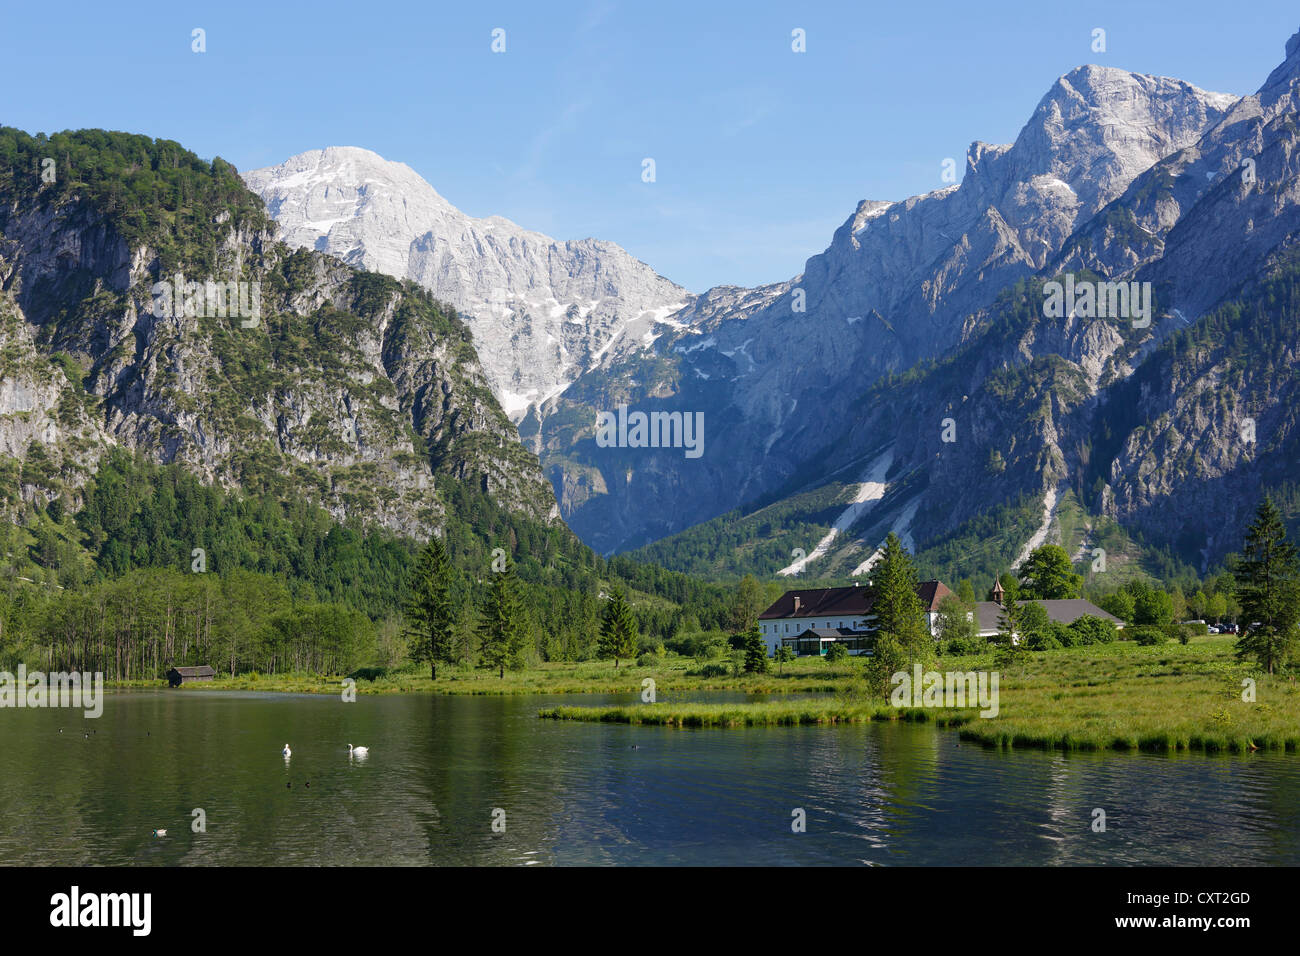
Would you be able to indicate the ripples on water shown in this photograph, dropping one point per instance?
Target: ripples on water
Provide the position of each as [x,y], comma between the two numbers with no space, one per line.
[596,794]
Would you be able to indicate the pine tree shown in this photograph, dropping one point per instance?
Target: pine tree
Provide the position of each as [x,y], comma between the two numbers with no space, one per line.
[898,610]
[430,613]
[1268,589]
[1011,639]
[755,652]
[501,625]
[618,631]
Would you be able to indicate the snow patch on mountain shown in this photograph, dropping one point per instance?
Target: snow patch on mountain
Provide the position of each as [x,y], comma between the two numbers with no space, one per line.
[542,310]
[1039,537]
[902,527]
[871,490]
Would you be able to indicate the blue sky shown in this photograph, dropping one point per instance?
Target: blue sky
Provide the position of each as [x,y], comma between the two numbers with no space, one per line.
[760,152]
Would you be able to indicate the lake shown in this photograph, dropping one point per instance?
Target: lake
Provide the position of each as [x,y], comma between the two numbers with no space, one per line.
[578,793]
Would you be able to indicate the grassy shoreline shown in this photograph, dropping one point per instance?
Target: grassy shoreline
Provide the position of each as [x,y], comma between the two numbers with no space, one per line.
[767,714]
[1118,697]
[671,676]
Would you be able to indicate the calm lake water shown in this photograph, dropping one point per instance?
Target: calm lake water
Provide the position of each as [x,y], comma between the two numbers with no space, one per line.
[595,794]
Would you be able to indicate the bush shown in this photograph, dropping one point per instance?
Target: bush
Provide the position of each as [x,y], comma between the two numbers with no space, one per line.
[1093,630]
[1148,635]
[711,670]
[1043,641]
[649,659]
[968,645]
[699,644]
[374,673]
[836,653]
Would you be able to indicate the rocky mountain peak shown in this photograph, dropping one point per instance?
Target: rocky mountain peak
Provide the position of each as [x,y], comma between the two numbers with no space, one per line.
[1287,71]
[1098,127]
[895,287]
[542,310]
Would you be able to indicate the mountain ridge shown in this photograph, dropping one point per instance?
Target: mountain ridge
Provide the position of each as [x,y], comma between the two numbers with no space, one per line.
[542,310]
[901,283]
[353,389]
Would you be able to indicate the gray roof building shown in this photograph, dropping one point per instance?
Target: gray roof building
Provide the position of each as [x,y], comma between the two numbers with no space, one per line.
[988,613]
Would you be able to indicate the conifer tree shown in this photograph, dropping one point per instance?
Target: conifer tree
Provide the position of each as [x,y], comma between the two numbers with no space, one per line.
[1011,638]
[898,610]
[755,652]
[430,614]
[501,625]
[618,631]
[1268,589]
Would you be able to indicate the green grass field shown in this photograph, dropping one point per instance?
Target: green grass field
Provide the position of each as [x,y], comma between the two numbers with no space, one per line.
[1119,696]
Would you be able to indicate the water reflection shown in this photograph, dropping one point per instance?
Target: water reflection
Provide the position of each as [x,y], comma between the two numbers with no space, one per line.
[480,780]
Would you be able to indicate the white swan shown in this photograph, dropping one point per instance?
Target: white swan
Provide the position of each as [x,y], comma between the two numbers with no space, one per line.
[359,751]
[286,751]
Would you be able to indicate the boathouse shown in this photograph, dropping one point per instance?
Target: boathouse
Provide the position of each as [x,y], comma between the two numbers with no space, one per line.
[188,675]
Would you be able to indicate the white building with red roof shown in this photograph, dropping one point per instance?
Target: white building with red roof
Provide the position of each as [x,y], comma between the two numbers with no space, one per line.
[809,621]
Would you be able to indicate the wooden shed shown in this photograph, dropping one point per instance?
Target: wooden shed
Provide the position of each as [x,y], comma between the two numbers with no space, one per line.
[188,675]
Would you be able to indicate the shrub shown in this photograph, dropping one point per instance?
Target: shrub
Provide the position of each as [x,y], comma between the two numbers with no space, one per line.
[711,670]
[1042,641]
[699,644]
[1093,630]
[836,653]
[968,645]
[1149,635]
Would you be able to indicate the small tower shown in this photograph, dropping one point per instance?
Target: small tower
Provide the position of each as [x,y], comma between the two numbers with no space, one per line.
[998,592]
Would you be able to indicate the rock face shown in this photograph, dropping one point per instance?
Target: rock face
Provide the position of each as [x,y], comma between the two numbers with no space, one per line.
[349,390]
[1169,432]
[542,310]
[1239,179]
[909,379]
[778,370]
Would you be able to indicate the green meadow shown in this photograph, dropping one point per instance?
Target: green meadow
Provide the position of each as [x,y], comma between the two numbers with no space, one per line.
[1119,696]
